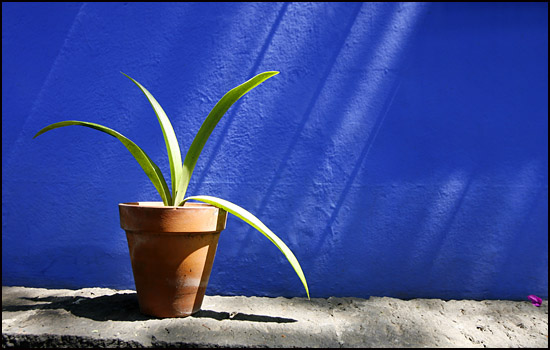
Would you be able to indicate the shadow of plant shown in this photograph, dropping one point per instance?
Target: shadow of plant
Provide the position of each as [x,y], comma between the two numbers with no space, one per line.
[240,317]
[123,307]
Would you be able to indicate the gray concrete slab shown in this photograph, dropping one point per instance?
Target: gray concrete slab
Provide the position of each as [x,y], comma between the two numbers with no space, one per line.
[100,317]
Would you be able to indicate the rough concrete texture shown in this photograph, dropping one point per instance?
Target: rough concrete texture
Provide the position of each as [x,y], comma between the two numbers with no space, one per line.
[100,317]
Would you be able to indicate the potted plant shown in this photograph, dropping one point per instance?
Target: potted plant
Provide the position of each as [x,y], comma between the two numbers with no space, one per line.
[172,243]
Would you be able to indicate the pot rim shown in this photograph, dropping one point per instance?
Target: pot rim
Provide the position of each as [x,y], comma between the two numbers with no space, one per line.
[155,217]
[160,205]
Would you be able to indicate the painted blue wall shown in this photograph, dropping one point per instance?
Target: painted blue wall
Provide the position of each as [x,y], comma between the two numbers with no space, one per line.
[402,151]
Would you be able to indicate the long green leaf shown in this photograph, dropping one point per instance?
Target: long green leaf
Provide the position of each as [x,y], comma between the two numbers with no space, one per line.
[150,168]
[258,225]
[172,146]
[209,124]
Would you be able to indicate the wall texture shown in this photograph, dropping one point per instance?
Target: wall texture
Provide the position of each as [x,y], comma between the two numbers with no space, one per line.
[402,151]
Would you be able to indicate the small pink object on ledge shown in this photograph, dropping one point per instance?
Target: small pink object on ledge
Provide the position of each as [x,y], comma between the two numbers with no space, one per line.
[535,300]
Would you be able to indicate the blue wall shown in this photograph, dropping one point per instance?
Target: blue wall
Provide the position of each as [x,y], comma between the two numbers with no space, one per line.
[402,151]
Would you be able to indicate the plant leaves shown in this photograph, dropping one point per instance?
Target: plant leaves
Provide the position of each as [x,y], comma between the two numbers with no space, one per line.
[258,225]
[150,168]
[208,126]
[172,146]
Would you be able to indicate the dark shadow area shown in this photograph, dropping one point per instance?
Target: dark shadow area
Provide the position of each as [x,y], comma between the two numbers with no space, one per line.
[241,317]
[117,307]
[124,307]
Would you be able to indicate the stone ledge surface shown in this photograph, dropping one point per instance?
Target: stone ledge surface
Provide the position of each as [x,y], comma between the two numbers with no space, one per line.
[101,317]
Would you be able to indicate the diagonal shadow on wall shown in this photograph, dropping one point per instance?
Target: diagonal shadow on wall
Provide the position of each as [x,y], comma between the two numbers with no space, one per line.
[336,122]
[306,115]
[235,109]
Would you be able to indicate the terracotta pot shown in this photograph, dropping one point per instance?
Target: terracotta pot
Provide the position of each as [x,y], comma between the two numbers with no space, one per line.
[172,251]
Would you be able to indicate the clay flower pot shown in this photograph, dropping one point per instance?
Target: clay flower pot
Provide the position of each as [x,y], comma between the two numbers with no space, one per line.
[172,251]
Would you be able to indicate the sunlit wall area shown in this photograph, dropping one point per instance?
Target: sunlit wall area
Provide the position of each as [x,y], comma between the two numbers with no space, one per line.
[402,150]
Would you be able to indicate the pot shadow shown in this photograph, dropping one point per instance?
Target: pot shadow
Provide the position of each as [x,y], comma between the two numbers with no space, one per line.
[122,307]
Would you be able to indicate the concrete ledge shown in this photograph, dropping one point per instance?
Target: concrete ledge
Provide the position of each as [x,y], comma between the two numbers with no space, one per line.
[100,317]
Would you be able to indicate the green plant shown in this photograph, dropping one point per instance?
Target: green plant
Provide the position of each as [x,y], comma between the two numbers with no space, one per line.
[181,174]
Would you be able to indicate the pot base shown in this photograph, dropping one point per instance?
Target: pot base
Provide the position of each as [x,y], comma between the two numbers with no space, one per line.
[171,271]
